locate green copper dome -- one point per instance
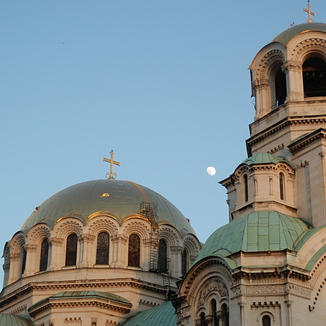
(256, 232)
(13, 320)
(286, 36)
(121, 199)
(265, 158)
(162, 315)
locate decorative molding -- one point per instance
(321, 285)
(137, 227)
(308, 45)
(38, 233)
(265, 304)
(276, 149)
(292, 65)
(219, 265)
(213, 286)
(148, 303)
(307, 140)
(275, 55)
(282, 125)
(100, 224)
(170, 235)
(18, 310)
(72, 320)
(17, 243)
(64, 227)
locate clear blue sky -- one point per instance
(165, 84)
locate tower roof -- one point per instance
(120, 199)
(293, 31)
(256, 232)
(13, 320)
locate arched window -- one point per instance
(245, 187)
(102, 249)
(225, 314)
(280, 87)
(71, 250)
(44, 255)
(23, 260)
(184, 260)
(314, 77)
(162, 256)
(266, 320)
(202, 319)
(134, 251)
(213, 307)
(282, 186)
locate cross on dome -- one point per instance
(309, 12)
(112, 175)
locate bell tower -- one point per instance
(286, 168)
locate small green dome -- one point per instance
(115, 197)
(13, 320)
(162, 315)
(286, 36)
(265, 158)
(256, 232)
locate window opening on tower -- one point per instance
(314, 77)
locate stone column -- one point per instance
(14, 267)
(293, 72)
(263, 101)
(85, 255)
(31, 259)
(288, 312)
(209, 319)
(176, 259)
(56, 252)
(120, 252)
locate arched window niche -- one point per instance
(213, 312)
(245, 188)
(282, 185)
(266, 320)
(44, 255)
(314, 76)
(71, 250)
(277, 84)
(134, 251)
(162, 256)
(184, 261)
(23, 255)
(103, 248)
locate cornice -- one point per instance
(282, 124)
(67, 286)
(53, 304)
(307, 140)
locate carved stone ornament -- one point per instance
(215, 286)
(308, 45)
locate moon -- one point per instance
(211, 170)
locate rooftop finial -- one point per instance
(112, 175)
(310, 13)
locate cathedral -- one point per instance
(112, 252)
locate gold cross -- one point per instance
(111, 161)
(309, 12)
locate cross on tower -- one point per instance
(309, 12)
(112, 175)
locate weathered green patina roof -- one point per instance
(162, 315)
(84, 295)
(256, 232)
(265, 158)
(13, 320)
(115, 197)
(291, 32)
